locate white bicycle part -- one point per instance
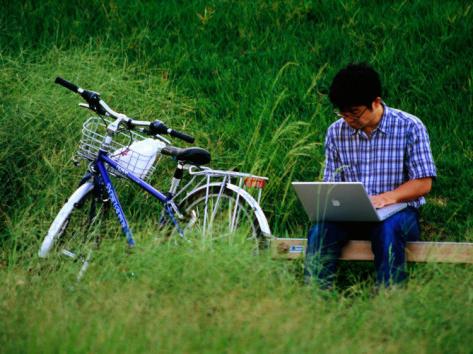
(243, 202)
(60, 222)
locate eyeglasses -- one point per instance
(350, 114)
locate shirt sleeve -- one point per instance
(420, 163)
(332, 160)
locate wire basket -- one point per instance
(132, 151)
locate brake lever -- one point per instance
(162, 138)
(87, 106)
(97, 109)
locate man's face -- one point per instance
(358, 117)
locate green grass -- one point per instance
(220, 298)
(249, 80)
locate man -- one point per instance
(388, 150)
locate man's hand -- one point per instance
(410, 190)
(382, 200)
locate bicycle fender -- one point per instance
(249, 199)
(62, 216)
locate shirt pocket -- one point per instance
(349, 168)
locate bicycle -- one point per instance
(116, 145)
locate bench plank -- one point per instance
(446, 252)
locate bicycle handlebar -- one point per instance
(182, 136)
(92, 98)
(158, 127)
(96, 104)
(67, 84)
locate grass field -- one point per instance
(249, 79)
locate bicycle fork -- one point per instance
(103, 179)
(112, 194)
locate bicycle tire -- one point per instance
(193, 206)
(61, 222)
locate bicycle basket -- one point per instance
(132, 151)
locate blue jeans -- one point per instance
(388, 241)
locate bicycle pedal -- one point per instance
(75, 161)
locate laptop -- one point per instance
(340, 201)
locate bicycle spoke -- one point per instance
(228, 215)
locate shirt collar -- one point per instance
(383, 126)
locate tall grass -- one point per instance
(234, 73)
(249, 80)
(221, 298)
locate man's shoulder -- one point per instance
(338, 127)
(402, 118)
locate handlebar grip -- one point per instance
(182, 136)
(67, 84)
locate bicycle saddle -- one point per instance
(192, 155)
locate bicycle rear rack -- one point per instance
(241, 180)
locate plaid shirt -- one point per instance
(398, 151)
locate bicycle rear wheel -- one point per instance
(221, 213)
(70, 232)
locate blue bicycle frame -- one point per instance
(100, 162)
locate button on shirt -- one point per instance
(398, 150)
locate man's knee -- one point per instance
(322, 235)
(314, 238)
(386, 237)
(397, 229)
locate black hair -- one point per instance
(355, 85)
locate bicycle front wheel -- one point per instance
(219, 212)
(71, 224)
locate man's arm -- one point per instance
(420, 169)
(332, 160)
(407, 191)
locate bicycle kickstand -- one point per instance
(85, 265)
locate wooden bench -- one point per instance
(446, 252)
